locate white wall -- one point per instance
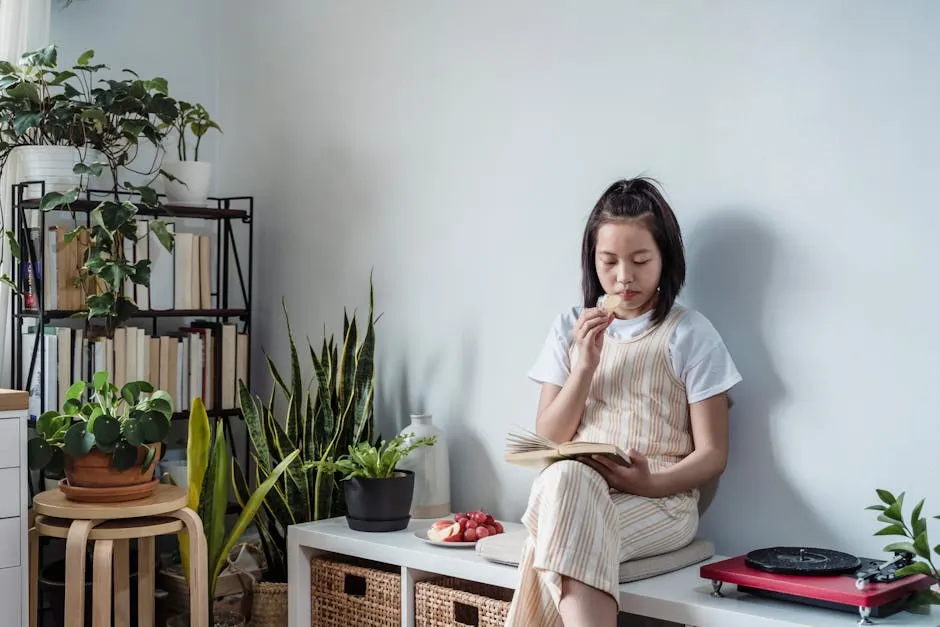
(457, 148)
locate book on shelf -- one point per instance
(530, 449)
(185, 362)
(179, 279)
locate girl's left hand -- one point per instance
(635, 479)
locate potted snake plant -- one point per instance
(319, 421)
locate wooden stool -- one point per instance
(112, 526)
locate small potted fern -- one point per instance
(378, 495)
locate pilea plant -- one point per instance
(98, 415)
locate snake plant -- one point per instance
(210, 474)
(323, 420)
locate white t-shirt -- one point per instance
(699, 356)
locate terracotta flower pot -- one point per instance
(95, 469)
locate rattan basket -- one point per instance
(269, 604)
(347, 591)
(448, 601)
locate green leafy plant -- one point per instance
(210, 473)
(43, 105)
(370, 461)
(319, 419)
(97, 415)
(916, 542)
(195, 119)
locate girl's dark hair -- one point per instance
(636, 199)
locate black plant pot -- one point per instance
(379, 504)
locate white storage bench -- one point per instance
(681, 596)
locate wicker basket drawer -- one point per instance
(347, 591)
(448, 602)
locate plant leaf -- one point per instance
(916, 568)
(906, 547)
(216, 501)
(252, 417)
(148, 459)
(197, 462)
(12, 243)
(166, 239)
(107, 429)
(247, 515)
(78, 441)
(124, 456)
(886, 497)
(38, 453)
(891, 530)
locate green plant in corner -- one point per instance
(97, 415)
(335, 414)
(210, 474)
(915, 542)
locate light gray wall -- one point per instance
(456, 148)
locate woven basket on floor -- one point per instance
(268, 604)
(347, 591)
(448, 601)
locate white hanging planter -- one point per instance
(51, 164)
(192, 188)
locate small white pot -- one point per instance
(51, 164)
(193, 186)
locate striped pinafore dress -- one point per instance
(580, 528)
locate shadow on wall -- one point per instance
(473, 479)
(730, 260)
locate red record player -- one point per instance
(822, 578)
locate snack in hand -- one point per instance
(610, 302)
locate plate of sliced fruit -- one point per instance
(463, 530)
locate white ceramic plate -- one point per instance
(422, 534)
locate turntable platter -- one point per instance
(792, 560)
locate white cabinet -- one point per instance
(14, 497)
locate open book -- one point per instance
(529, 449)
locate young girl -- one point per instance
(652, 378)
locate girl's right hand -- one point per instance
(589, 336)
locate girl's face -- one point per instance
(628, 263)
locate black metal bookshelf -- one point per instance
(224, 214)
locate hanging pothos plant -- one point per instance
(39, 103)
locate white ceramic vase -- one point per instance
(192, 188)
(50, 164)
(431, 465)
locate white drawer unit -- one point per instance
(10, 490)
(10, 443)
(14, 497)
(10, 551)
(13, 596)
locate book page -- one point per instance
(525, 441)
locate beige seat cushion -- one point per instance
(506, 548)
